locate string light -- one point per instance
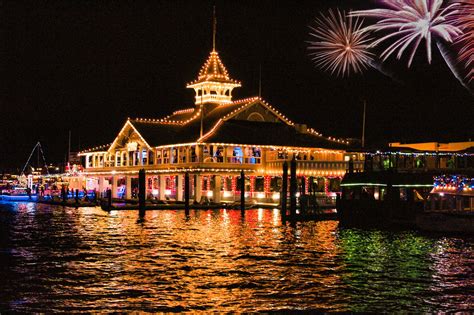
(266, 183)
(214, 77)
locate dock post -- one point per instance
(293, 187)
(242, 192)
(141, 192)
(64, 195)
(303, 198)
(109, 199)
(77, 196)
(284, 190)
(186, 193)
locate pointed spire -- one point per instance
(214, 29)
(213, 84)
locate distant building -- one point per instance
(435, 146)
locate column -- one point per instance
(101, 185)
(162, 190)
(216, 195)
(179, 187)
(114, 187)
(198, 188)
(128, 187)
(200, 153)
(252, 187)
(87, 160)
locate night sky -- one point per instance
(86, 66)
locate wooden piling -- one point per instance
(64, 194)
(186, 193)
(77, 196)
(109, 199)
(242, 192)
(141, 192)
(303, 197)
(293, 187)
(284, 190)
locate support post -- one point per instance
(114, 187)
(128, 187)
(109, 199)
(64, 195)
(101, 185)
(186, 193)
(77, 196)
(284, 190)
(293, 187)
(303, 197)
(162, 190)
(242, 192)
(217, 189)
(179, 187)
(197, 188)
(141, 192)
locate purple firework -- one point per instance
(410, 21)
(340, 44)
(466, 23)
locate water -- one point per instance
(73, 260)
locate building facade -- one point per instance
(214, 140)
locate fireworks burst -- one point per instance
(410, 21)
(466, 23)
(340, 45)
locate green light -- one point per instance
(363, 184)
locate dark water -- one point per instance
(64, 259)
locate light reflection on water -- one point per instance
(64, 259)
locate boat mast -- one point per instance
(37, 146)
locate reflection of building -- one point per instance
(214, 140)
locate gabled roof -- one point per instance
(267, 133)
(221, 126)
(182, 115)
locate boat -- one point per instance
(428, 202)
(17, 194)
(383, 198)
(450, 206)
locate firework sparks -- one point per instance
(411, 21)
(466, 23)
(340, 45)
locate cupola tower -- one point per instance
(213, 84)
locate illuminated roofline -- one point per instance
(128, 123)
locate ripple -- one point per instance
(86, 260)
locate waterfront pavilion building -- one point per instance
(214, 140)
